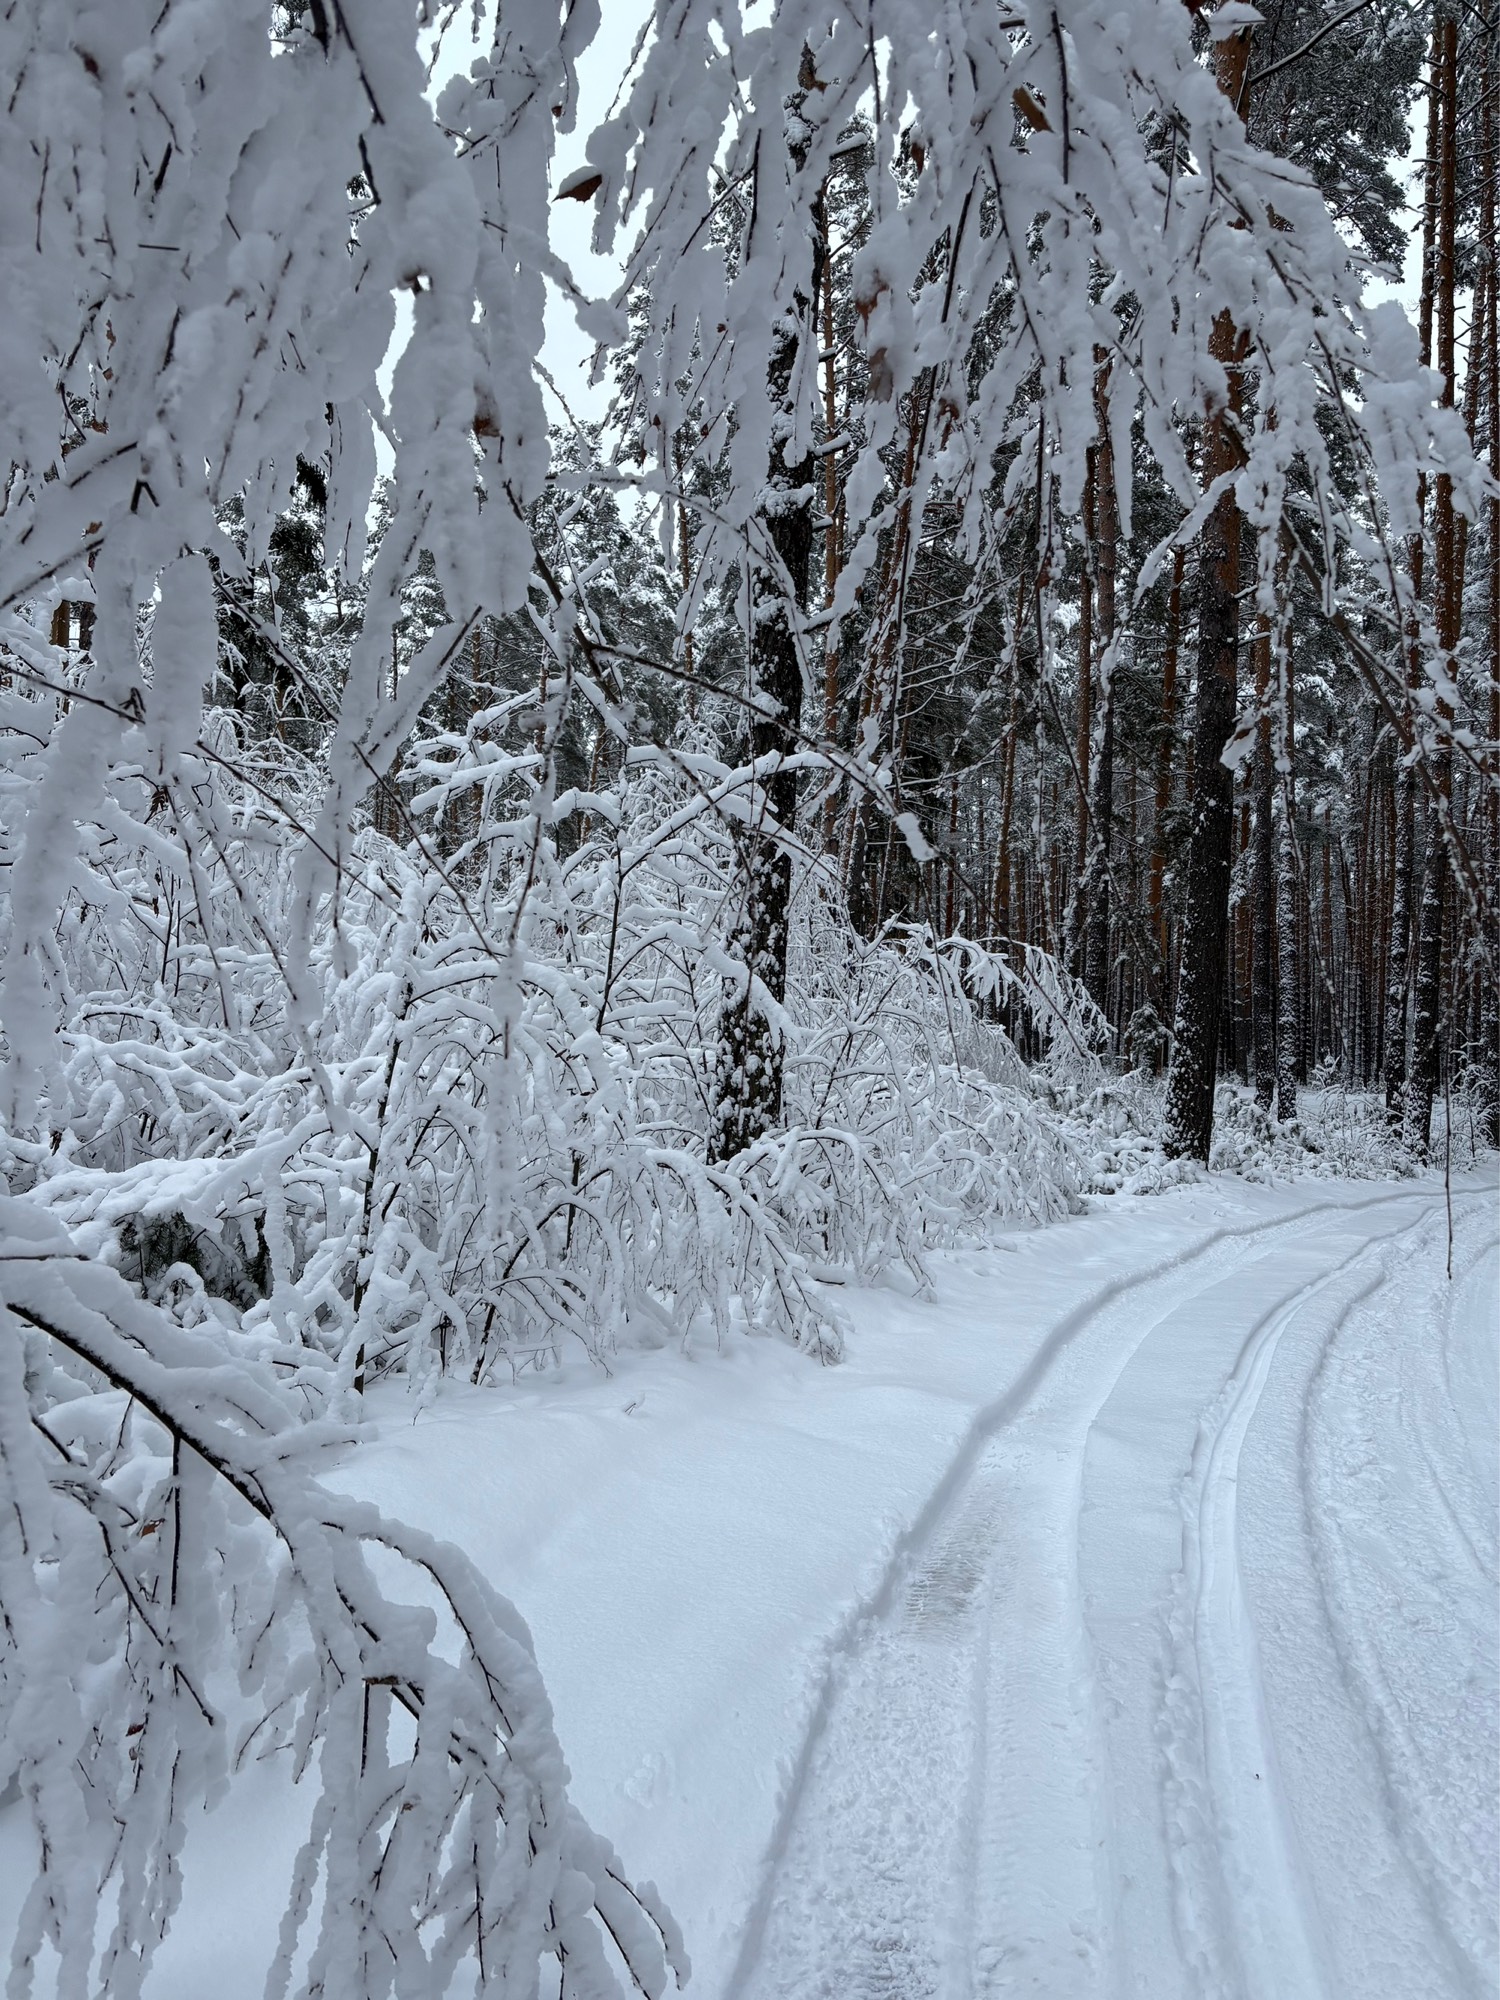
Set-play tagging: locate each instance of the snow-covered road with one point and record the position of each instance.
(1117, 1620)
(1190, 1688)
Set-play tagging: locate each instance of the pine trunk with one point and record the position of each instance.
(1263, 888)
(748, 1080)
(1164, 749)
(832, 539)
(1096, 895)
(1188, 1130)
(1083, 748)
(1489, 1015)
(1288, 1011)
(1426, 1051)
(1403, 887)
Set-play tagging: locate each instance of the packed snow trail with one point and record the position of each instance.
(1189, 1689)
(932, 1673)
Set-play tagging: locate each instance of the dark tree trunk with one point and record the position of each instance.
(1263, 889)
(1489, 1013)
(748, 1078)
(1084, 744)
(880, 722)
(1165, 745)
(1398, 962)
(1288, 1010)
(1427, 1013)
(832, 525)
(1422, 1083)
(1189, 1123)
(389, 818)
(1190, 1084)
(1096, 897)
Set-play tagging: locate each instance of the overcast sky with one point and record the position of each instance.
(567, 352)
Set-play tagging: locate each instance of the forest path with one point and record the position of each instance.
(1182, 1694)
(1118, 1618)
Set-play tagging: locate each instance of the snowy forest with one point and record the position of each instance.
(958, 747)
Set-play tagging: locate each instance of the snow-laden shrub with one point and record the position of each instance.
(180, 1593)
(914, 1120)
(1338, 1133)
(1116, 1124)
(474, 1134)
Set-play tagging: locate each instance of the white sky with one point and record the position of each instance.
(567, 351)
(1408, 289)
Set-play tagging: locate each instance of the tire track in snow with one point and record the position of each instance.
(1249, 1923)
(838, 1827)
(1416, 1415)
(1409, 1608)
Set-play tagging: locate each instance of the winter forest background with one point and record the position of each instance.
(992, 698)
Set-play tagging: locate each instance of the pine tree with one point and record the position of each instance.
(1188, 1129)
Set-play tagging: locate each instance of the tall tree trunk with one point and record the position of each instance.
(748, 1079)
(1084, 741)
(832, 538)
(1398, 962)
(685, 578)
(880, 692)
(1288, 1009)
(1426, 1053)
(1263, 885)
(1001, 903)
(387, 808)
(1165, 745)
(1489, 1017)
(950, 897)
(1096, 896)
(1360, 954)
(1188, 1130)
(1427, 1011)
(1190, 1082)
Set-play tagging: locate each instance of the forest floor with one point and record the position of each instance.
(1120, 1618)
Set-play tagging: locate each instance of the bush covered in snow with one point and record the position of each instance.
(485, 1138)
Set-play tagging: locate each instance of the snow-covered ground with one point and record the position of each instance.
(1118, 1620)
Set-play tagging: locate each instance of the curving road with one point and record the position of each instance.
(1191, 1690)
